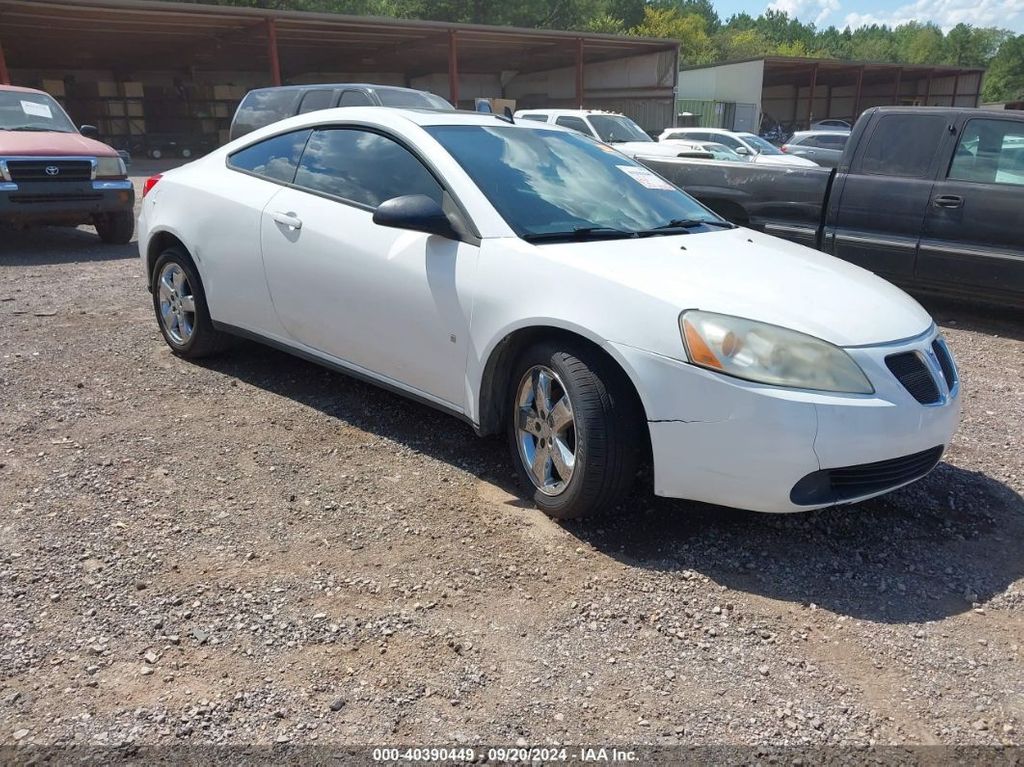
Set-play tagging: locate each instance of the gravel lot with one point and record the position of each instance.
(254, 550)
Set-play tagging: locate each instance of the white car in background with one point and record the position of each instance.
(614, 129)
(530, 281)
(748, 145)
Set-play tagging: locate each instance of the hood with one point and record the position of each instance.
(752, 275)
(785, 159)
(51, 144)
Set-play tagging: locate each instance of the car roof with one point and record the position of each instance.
(806, 133)
(321, 86)
(568, 112)
(19, 89)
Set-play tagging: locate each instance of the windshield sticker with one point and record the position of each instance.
(645, 177)
(36, 109)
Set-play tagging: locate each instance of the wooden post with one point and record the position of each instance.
(956, 88)
(899, 84)
(275, 61)
(928, 88)
(453, 69)
(810, 96)
(579, 73)
(5, 75)
(856, 100)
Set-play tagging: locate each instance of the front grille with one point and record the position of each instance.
(911, 371)
(945, 362)
(843, 484)
(26, 199)
(43, 170)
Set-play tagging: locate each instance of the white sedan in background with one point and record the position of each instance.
(532, 281)
(747, 145)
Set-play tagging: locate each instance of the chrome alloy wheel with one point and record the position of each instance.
(545, 430)
(177, 304)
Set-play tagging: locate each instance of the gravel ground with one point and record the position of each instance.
(254, 550)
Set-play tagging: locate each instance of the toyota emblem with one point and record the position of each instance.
(52, 170)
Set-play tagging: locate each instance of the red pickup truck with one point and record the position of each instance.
(53, 174)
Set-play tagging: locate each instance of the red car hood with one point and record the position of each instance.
(51, 144)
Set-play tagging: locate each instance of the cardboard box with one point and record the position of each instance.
(136, 127)
(132, 90)
(107, 90)
(135, 109)
(498, 105)
(223, 92)
(113, 108)
(221, 110)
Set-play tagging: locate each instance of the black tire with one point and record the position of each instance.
(115, 228)
(606, 434)
(203, 340)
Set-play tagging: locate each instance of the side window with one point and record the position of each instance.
(837, 141)
(729, 141)
(261, 108)
(903, 145)
(314, 100)
(991, 152)
(355, 99)
(362, 167)
(535, 118)
(576, 123)
(274, 158)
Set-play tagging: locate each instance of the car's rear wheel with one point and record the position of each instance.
(115, 228)
(573, 429)
(180, 306)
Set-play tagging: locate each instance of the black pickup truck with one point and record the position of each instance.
(928, 197)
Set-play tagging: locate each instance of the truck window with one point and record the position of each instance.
(314, 100)
(575, 123)
(990, 152)
(903, 145)
(355, 99)
(263, 107)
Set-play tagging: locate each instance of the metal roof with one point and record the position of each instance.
(133, 35)
(780, 70)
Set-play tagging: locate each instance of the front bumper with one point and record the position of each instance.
(64, 202)
(734, 443)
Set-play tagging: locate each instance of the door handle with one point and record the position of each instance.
(948, 201)
(287, 219)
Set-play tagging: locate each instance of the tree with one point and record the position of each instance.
(1005, 78)
(741, 44)
(695, 46)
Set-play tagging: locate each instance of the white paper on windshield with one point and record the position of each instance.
(645, 177)
(36, 110)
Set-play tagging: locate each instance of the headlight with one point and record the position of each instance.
(110, 167)
(769, 354)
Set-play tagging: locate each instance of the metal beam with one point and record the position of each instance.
(453, 68)
(810, 96)
(856, 100)
(275, 61)
(928, 89)
(956, 87)
(896, 90)
(579, 73)
(5, 75)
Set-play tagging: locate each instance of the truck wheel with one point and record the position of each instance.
(115, 228)
(573, 429)
(155, 154)
(186, 153)
(180, 306)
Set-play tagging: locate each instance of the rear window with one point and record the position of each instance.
(411, 100)
(261, 108)
(903, 145)
(274, 158)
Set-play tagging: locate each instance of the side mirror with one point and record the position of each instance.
(742, 150)
(415, 212)
(89, 131)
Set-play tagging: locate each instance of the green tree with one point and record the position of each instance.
(1005, 78)
(695, 46)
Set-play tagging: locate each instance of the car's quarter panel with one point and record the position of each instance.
(393, 302)
(216, 213)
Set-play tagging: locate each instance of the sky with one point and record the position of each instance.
(856, 13)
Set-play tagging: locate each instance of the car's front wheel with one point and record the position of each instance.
(574, 429)
(180, 306)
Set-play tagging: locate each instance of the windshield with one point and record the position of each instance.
(615, 128)
(762, 146)
(29, 111)
(412, 100)
(545, 181)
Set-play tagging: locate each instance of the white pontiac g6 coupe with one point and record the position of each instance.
(532, 281)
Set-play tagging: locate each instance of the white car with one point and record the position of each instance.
(614, 129)
(748, 145)
(531, 281)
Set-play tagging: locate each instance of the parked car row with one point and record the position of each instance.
(469, 262)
